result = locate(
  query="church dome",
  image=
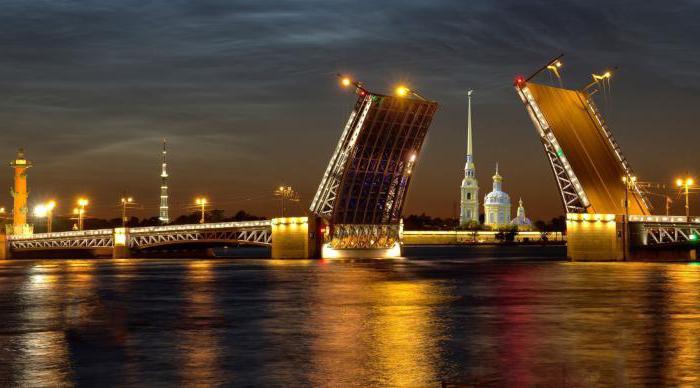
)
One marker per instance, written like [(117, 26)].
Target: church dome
[(497, 196)]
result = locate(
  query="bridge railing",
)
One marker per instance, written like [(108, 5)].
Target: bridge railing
[(69, 234), (142, 230), (665, 219), (206, 226)]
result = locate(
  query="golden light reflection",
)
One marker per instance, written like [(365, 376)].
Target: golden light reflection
[(43, 358), (375, 330), (406, 333), (683, 324), (200, 346)]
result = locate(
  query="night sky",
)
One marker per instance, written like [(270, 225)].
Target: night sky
[(246, 95)]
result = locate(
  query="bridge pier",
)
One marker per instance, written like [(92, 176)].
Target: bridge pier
[(120, 248), (600, 237), (4, 247), (295, 238), (594, 237)]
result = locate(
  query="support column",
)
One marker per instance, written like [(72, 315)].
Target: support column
[(120, 249), (4, 247), (594, 237), (294, 238)]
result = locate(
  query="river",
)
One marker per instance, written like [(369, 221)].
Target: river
[(483, 316)]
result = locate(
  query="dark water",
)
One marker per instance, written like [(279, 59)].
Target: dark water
[(514, 317)]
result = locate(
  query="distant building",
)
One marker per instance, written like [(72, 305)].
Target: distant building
[(497, 204), (520, 221), (469, 202), (163, 214)]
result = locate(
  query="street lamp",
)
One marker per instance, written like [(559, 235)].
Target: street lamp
[(125, 202), (45, 210), (629, 182), (202, 203), (554, 68), (286, 193), (346, 81), (80, 211), (49, 214), (402, 91), (598, 78), (686, 184)]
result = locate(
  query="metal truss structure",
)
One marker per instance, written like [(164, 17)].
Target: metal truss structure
[(364, 236), (572, 194), (150, 240), (362, 192), (660, 230), (655, 234), (88, 239), (246, 232)]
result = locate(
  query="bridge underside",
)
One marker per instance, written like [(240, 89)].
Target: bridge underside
[(362, 192)]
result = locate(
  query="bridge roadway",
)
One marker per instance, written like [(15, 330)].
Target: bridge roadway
[(245, 232), (587, 156)]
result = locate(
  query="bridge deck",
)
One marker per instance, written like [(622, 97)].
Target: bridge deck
[(580, 133), (247, 232)]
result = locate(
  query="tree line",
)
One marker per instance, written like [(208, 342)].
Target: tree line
[(60, 224)]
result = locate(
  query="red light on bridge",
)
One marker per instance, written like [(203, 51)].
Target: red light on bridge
[(519, 80)]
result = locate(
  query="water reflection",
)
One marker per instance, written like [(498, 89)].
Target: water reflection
[(363, 323), (373, 327), (41, 357), (199, 344)]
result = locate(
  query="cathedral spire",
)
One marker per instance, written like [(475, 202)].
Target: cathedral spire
[(469, 126), (469, 212), (469, 168)]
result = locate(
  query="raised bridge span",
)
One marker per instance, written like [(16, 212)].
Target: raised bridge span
[(608, 216)]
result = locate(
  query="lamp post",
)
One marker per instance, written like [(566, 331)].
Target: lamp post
[(685, 185), (125, 202), (286, 193), (80, 211), (45, 210), (202, 203), (629, 182), (49, 215)]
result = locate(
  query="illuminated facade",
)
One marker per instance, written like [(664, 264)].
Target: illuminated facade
[(362, 191), (20, 194), (497, 204), (469, 201), (521, 221), (163, 215)]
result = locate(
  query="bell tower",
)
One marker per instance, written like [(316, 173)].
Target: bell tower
[(470, 187)]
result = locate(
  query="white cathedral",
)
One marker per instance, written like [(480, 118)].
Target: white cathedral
[(496, 203)]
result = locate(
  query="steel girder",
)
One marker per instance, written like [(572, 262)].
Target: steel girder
[(570, 190), (253, 236), (655, 234)]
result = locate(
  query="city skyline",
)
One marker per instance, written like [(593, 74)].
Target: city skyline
[(91, 102)]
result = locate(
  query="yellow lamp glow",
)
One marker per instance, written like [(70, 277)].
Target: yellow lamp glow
[(402, 91)]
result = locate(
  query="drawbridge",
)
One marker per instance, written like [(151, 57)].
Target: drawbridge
[(587, 162), (362, 192), (608, 216)]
